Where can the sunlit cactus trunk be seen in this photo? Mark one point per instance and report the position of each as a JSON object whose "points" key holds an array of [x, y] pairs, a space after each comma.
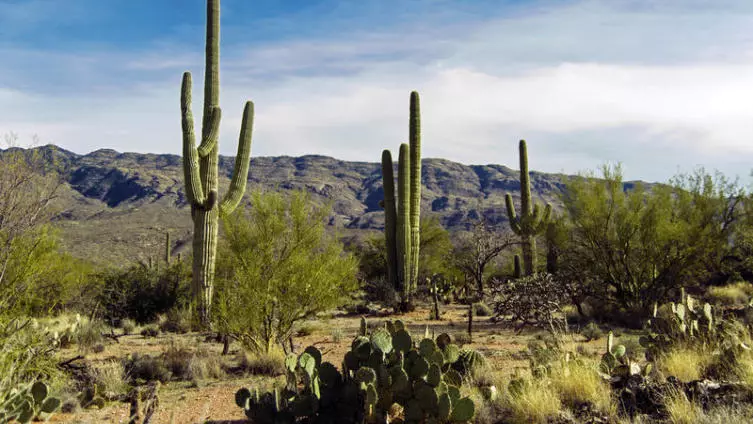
{"points": [[390, 218], [200, 166], [403, 224], [531, 222], [414, 140]]}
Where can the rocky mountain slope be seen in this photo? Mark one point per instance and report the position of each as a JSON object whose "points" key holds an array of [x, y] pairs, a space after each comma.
{"points": [[115, 207]]}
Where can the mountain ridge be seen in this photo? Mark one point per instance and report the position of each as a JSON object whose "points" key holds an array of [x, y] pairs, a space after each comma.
{"points": [[116, 206]]}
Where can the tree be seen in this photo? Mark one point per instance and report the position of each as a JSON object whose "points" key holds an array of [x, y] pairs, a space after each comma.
{"points": [[634, 247], [28, 185], [279, 266], [478, 249]]}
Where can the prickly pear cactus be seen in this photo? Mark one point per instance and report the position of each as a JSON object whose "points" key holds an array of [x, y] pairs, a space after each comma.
{"points": [[383, 368], [27, 403]]}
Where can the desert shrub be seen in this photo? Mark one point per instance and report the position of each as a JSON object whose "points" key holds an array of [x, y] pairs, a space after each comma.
{"points": [[592, 332], [141, 367], [337, 334], [278, 267], [736, 294], [111, 377], [142, 293], [150, 331], [534, 300], [480, 309], [177, 320], [128, 326], [461, 338], [271, 363], [534, 402], [672, 235], [307, 328], [89, 334]]}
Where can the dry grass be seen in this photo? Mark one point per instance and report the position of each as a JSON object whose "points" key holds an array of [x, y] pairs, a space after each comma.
{"points": [[535, 402], [735, 294], [687, 364], [578, 383], [270, 363], [681, 410], [111, 376]]}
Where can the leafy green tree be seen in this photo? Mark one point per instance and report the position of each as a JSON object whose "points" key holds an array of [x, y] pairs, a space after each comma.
{"points": [[633, 247], [279, 266], [28, 246]]}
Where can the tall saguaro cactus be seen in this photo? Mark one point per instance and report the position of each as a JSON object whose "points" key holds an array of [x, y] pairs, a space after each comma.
{"points": [[200, 166], [530, 223], [404, 230], [414, 139], [390, 218], [403, 216]]}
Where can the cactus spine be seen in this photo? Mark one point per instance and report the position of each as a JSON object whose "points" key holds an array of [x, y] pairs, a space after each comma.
{"points": [[531, 222], [414, 139], [402, 221], [200, 166]]}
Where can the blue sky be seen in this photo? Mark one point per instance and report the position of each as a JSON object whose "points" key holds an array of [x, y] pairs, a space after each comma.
{"points": [[660, 86]]}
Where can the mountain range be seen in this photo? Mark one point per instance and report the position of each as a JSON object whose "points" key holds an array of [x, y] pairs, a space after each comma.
{"points": [[116, 207]]}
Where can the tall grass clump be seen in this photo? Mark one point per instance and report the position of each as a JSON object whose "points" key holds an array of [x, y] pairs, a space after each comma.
{"points": [[578, 383], [681, 410], [735, 294], [685, 363], [269, 363], [532, 402]]}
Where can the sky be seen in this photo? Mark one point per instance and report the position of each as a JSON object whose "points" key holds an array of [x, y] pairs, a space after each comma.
{"points": [[662, 87]]}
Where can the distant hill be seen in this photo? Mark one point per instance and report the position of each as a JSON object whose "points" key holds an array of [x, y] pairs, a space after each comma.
{"points": [[116, 207]]}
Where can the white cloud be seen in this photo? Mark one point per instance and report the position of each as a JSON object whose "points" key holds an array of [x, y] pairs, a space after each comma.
{"points": [[656, 87]]}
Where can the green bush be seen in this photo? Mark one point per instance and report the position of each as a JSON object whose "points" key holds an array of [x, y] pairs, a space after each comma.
{"points": [[592, 332], [278, 266], [145, 368], [142, 293]]}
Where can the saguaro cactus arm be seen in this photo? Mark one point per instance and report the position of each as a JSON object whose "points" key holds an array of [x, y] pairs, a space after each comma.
{"points": [[240, 170], [194, 189], [210, 141], [511, 215]]}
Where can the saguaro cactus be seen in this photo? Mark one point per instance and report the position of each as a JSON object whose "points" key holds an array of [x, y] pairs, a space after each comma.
{"points": [[390, 217], [402, 226], [531, 222], [168, 247], [403, 223], [200, 166], [414, 139]]}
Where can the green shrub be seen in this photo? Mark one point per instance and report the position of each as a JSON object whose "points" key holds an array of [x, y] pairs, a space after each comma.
{"points": [[592, 332], [480, 309], [128, 326], [177, 320], [89, 334], [146, 368], [735, 294], [142, 293], [150, 331]]}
